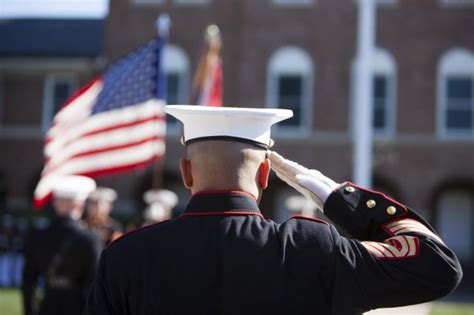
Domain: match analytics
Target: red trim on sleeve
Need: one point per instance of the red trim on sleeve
(201, 214)
(309, 218)
(224, 192)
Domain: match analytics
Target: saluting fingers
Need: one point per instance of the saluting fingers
(281, 164)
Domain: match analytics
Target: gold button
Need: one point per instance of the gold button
(371, 203)
(391, 210)
(350, 189)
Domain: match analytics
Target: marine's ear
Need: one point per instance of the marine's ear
(264, 173)
(186, 174)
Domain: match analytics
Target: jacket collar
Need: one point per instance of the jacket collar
(222, 202)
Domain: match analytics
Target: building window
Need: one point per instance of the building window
(455, 222)
(459, 103)
(384, 86)
(289, 85)
(456, 94)
(176, 68)
(57, 90)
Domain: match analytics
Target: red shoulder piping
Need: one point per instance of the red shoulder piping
(135, 230)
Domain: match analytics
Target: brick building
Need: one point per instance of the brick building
(298, 54)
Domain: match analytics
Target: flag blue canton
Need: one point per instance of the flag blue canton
(133, 80)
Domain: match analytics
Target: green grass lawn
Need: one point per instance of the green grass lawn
(452, 309)
(10, 304)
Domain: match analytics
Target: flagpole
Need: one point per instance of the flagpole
(162, 25)
(363, 117)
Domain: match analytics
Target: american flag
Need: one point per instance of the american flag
(114, 124)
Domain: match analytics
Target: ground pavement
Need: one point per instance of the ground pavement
(421, 309)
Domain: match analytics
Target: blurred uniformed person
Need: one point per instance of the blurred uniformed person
(100, 204)
(63, 257)
(222, 257)
(160, 204)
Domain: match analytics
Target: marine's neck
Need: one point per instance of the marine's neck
(249, 189)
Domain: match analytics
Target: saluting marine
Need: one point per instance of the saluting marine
(100, 204)
(221, 256)
(60, 261)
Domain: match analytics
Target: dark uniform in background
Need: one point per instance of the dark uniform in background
(63, 259)
(222, 257)
(98, 217)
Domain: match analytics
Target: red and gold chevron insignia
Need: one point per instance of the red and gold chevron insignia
(403, 226)
(397, 247)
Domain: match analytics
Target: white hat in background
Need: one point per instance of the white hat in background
(234, 123)
(162, 196)
(72, 187)
(103, 194)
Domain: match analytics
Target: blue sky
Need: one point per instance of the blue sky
(53, 8)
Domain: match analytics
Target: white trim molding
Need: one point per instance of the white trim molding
(455, 63)
(292, 61)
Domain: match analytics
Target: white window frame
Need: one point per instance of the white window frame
(456, 62)
(176, 60)
(292, 60)
(293, 3)
(48, 94)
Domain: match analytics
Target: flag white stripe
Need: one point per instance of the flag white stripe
(104, 140)
(130, 114)
(105, 160)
